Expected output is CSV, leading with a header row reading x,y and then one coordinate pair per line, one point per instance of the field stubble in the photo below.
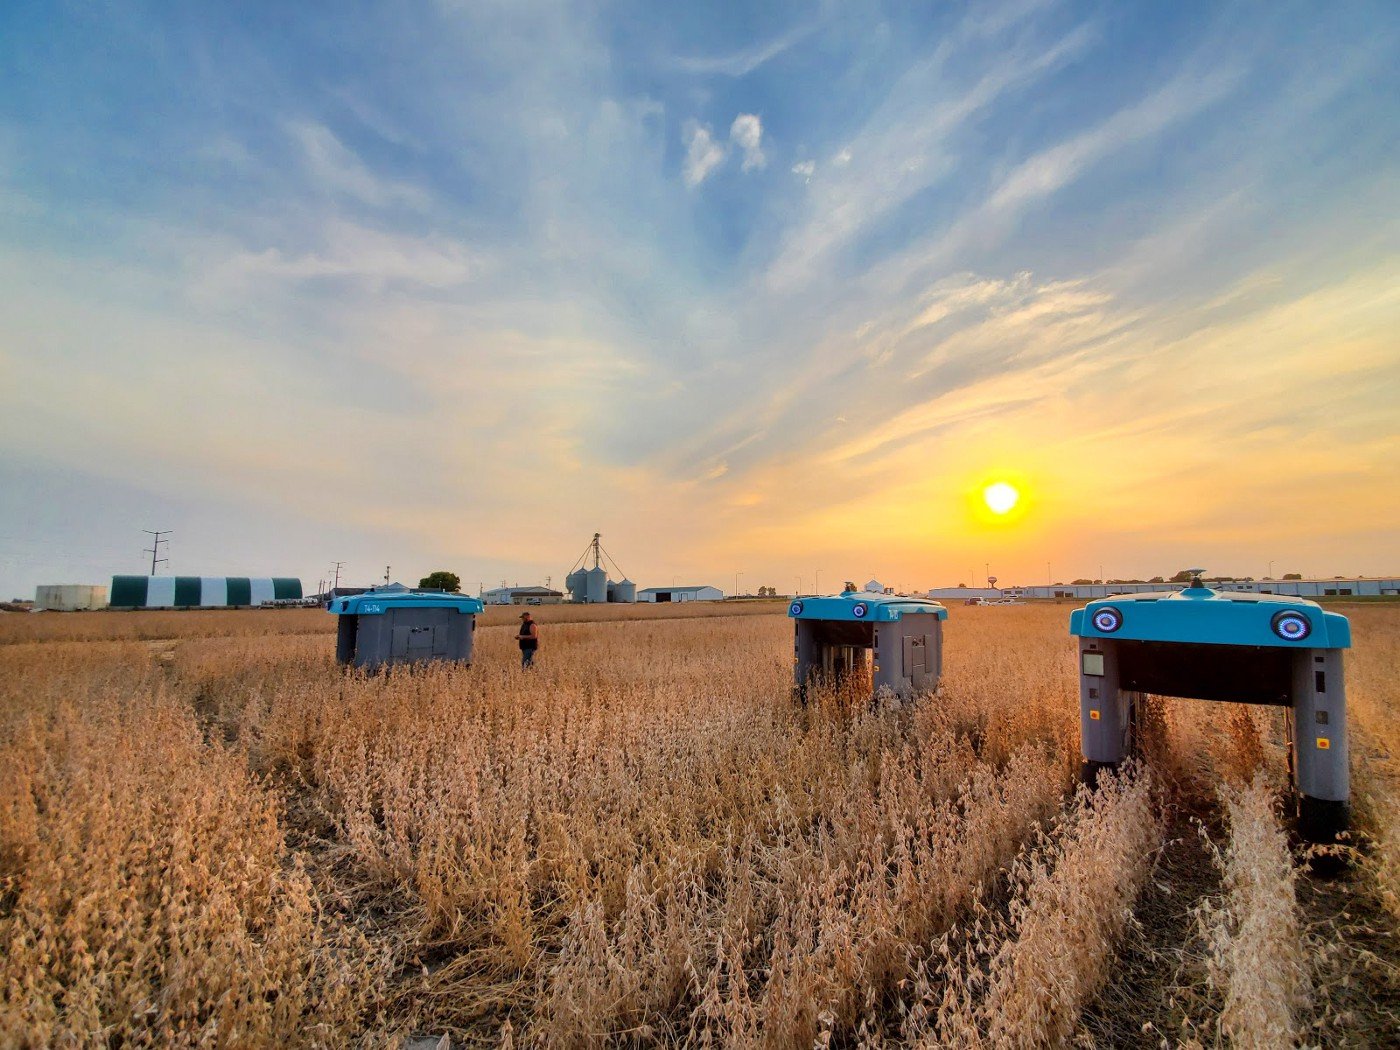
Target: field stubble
x,y
211,833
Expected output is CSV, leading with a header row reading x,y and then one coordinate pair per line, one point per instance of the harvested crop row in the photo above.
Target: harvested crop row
x,y
1022,978
1256,950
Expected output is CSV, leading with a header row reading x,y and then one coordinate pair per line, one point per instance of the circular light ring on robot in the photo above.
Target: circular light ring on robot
x,y
859,610
1291,625
1108,619
795,609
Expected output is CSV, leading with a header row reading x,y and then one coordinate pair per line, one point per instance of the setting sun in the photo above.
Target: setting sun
x,y
1001,497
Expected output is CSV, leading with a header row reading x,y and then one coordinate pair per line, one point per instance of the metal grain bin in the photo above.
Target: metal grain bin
x,y
597,589
576,583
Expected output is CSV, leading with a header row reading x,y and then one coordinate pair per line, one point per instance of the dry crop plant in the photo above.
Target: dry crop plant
x,y
152,625
642,840
1373,698
1257,952
645,835
146,894
1021,976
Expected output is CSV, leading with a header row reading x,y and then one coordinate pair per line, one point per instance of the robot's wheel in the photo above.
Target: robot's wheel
x,y
1321,821
1089,772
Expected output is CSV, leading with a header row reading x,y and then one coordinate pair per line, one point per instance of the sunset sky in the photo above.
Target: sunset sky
x,y
456,285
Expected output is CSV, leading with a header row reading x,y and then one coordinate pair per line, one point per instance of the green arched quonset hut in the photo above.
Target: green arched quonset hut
x,y
192,592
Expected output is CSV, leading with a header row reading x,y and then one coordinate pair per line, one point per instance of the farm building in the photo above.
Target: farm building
x,y
522,596
69,597
1355,586
680,594
189,592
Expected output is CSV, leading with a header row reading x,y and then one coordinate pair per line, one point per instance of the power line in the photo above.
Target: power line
x,y
154,548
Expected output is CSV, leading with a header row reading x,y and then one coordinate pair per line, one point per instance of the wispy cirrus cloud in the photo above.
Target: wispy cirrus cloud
x,y
348,250
745,60
904,149
335,169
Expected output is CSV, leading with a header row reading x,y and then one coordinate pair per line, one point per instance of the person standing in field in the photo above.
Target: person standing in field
x,y
529,640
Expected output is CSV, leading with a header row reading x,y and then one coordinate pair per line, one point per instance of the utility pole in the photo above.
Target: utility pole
x,y
736,583
1047,574
988,574
154,548
386,574
799,584
1271,569
817,582
337,567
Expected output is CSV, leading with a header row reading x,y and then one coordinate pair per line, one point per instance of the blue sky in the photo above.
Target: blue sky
x,y
456,285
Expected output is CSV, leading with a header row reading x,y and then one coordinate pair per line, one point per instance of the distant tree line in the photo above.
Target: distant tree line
x,y
1184,576
441,580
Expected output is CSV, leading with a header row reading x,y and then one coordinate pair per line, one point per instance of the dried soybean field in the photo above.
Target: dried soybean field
x,y
209,835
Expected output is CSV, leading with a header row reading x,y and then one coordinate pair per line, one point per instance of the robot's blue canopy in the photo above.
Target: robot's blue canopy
x,y
1205,616
862,607
373,603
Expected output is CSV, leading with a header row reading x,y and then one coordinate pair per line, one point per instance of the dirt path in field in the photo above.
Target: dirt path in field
x,y
1158,994
1149,996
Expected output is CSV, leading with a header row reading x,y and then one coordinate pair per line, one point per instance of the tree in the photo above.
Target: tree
x,y
850,586
962,586
1184,576
1081,582
1156,579
441,580
1293,576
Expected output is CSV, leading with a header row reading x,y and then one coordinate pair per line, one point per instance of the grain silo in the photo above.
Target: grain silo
x,y
590,583
576,583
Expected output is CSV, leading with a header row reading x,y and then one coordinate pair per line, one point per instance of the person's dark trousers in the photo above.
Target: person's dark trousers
x,y
527,658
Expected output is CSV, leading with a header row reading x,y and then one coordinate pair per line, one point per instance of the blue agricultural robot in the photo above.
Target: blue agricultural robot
x,y
902,637
1204,644
394,625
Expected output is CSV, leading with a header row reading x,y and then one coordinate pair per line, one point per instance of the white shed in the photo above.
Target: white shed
x,y
69,597
680,594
